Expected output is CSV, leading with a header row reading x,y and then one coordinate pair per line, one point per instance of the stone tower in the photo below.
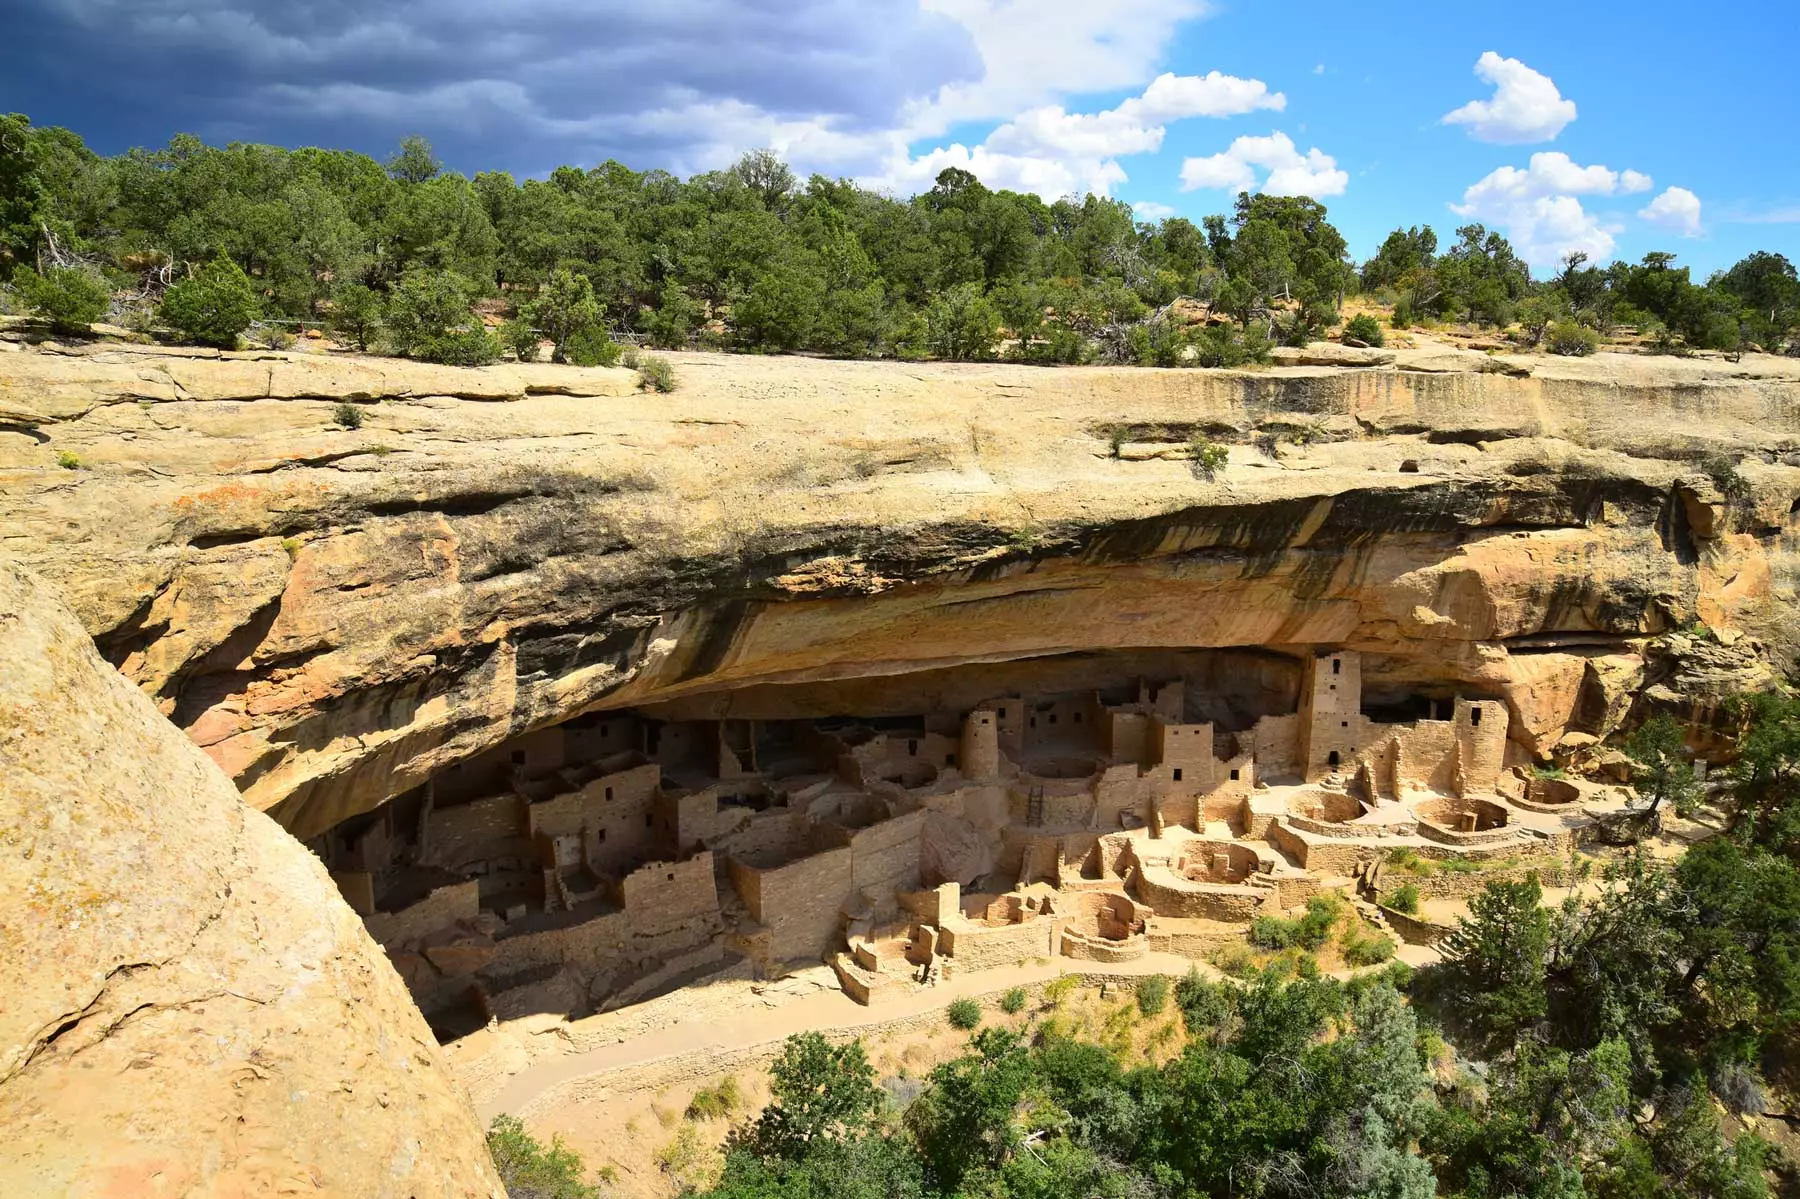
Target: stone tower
x,y
1330,713
979,757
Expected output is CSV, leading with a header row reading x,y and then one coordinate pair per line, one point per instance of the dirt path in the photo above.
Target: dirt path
x,y
824,1011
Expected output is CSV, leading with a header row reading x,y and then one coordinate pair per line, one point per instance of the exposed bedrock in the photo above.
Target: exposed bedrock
x,y
334,614
190,1007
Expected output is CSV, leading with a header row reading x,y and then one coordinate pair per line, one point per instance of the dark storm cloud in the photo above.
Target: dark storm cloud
x,y
523,84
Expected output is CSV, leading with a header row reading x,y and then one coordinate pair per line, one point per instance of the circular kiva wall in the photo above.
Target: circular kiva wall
x,y
1216,862
911,775
1325,807
1063,768
1551,793
1460,818
1099,914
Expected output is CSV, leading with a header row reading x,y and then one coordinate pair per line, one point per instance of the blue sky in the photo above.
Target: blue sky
x,y
1594,124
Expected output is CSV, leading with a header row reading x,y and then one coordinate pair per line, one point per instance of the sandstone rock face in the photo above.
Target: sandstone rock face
x,y
335,614
190,1009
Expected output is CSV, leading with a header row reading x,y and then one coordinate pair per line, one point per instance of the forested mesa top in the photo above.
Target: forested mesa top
x,y
207,241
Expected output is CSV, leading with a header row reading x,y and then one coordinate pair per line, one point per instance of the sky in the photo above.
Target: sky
x,y
1608,127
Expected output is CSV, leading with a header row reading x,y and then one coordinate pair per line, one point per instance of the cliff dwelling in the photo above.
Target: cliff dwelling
x,y
613,856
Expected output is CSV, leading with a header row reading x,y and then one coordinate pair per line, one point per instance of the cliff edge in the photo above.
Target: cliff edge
x,y
336,613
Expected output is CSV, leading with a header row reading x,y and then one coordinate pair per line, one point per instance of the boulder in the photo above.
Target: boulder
x,y
190,1007
1325,354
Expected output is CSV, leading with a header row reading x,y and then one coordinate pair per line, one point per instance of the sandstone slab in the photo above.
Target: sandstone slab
x,y
190,1008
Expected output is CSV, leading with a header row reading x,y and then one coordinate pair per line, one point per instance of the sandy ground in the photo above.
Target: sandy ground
x,y
644,1142
624,1105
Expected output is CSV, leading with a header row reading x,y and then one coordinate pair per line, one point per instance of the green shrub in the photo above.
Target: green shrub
x,y
1367,948
1406,900
70,298
212,307
519,337
1366,329
347,415
427,317
355,314
1223,346
960,323
717,1101
70,460
963,1014
1272,932
564,309
528,1167
1409,860
1153,995
1234,959
655,374
1061,987
1207,455
1724,473
271,337
1013,1002
1571,340
1403,315
632,358
462,347
592,347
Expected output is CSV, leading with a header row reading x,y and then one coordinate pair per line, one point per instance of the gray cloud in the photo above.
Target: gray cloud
x,y
521,84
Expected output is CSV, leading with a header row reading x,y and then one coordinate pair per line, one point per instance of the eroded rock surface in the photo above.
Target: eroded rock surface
x,y
189,1007
335,614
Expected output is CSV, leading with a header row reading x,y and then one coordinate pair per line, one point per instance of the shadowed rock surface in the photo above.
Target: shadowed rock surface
x,y
335,614
189,1007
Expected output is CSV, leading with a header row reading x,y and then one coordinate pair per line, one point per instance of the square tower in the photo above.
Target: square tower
x,y
1330,713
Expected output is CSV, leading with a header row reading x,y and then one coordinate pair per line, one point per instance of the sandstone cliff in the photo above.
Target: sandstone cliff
x,y
333,614
190,1009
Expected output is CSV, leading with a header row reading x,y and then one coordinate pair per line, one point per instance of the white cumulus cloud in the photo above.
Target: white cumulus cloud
x,y
1053,152
1152,210
1035,51
1290,173
1677,210
1540,209
1526,106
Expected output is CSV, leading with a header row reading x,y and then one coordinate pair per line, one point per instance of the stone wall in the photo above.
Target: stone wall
x,y
801,903
661,897
1101,949
439,909
983,947
471,832
1126,735
1170,896
590,945
885,860
358,889
1427,756
1412,929
1275,743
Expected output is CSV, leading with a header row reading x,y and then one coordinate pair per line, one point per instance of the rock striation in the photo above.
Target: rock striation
x,y
336,614
190,1008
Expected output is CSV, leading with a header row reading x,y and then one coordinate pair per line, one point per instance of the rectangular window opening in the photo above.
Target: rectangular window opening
x,y
1234,776
1178,774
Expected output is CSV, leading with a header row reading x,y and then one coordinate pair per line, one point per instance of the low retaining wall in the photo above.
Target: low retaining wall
x,y
1413,929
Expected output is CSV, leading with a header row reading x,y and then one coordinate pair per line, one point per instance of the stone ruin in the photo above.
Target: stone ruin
x,y
615,857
